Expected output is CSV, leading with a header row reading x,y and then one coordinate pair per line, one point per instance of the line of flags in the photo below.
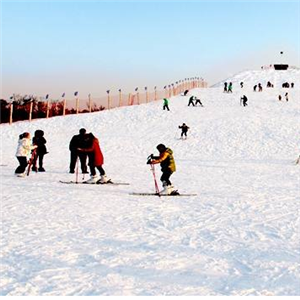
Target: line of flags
x,y
108,91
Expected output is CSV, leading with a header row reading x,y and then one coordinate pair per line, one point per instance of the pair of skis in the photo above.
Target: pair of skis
x,y
98,182
157,192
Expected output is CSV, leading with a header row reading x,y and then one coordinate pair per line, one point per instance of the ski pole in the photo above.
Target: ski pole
x,y
154,177
77,170
31,161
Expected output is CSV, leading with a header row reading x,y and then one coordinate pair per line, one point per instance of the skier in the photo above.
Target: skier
x,y
167,163
286,97
184,129
254,88
23,150
230,87
260,87
191,101
96,159
244,100
198,101
185,92
279,97
225,87
242,84
41,150
166,104
78,141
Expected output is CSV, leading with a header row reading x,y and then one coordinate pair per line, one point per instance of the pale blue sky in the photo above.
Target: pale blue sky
x,y
91,46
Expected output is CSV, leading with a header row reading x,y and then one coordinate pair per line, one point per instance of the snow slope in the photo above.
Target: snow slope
x,y
253,77
238,236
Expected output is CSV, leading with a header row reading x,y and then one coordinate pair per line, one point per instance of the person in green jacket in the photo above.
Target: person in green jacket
x,y
166,104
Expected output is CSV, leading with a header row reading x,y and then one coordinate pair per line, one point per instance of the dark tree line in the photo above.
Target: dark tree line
x,y
21,108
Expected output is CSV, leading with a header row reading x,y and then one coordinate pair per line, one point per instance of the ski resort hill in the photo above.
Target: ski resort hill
x,y
253,77
238,236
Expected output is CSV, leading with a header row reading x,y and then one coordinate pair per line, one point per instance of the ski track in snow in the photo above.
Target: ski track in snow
x,y
238,236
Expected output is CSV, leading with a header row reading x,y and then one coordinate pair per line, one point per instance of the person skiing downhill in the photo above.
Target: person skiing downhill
x,y
23,150
168,167
166,104
41,150
230,87
96,159
184,129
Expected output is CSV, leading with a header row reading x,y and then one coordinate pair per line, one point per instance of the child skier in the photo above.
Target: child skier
x,y
23,150
166,104
95,159
198,101
41,150
167,163
184,129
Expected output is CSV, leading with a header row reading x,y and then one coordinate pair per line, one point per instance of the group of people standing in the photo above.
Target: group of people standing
x,y
37,149
86,146
228,87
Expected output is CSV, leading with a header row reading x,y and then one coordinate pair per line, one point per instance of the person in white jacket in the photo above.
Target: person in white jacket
x,y
23,150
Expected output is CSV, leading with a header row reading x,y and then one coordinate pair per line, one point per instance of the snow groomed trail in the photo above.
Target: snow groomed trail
x,y
238,236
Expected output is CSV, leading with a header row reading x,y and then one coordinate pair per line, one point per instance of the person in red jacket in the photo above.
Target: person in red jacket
x,y
95,159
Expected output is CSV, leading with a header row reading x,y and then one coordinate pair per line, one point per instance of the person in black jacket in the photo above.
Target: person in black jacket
x,y
191,101
39,141
184,129
78,141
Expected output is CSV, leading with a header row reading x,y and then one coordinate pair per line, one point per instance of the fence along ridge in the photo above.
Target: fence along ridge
x,y
33,108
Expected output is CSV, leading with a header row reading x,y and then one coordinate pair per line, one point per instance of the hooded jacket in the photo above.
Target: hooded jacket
x,y
166,160
24,147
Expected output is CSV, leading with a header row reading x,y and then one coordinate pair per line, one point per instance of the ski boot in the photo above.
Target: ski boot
x,y
41,169
92,180
168,190
22,175
103,180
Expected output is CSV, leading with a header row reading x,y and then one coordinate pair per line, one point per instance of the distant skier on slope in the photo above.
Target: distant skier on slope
x,y
166,104
191,101
23,151
260,89
225,87
286,97
198,101
230,87
244,100
184,129
185,92
95,159
41,150
167,163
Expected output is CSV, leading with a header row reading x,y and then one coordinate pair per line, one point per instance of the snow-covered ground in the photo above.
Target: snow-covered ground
x,y
238,236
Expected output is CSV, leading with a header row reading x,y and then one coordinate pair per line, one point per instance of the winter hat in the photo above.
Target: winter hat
x,y
161,147
82,131
39,133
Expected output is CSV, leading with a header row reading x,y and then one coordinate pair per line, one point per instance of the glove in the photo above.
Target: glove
x,y
150,156
149,161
